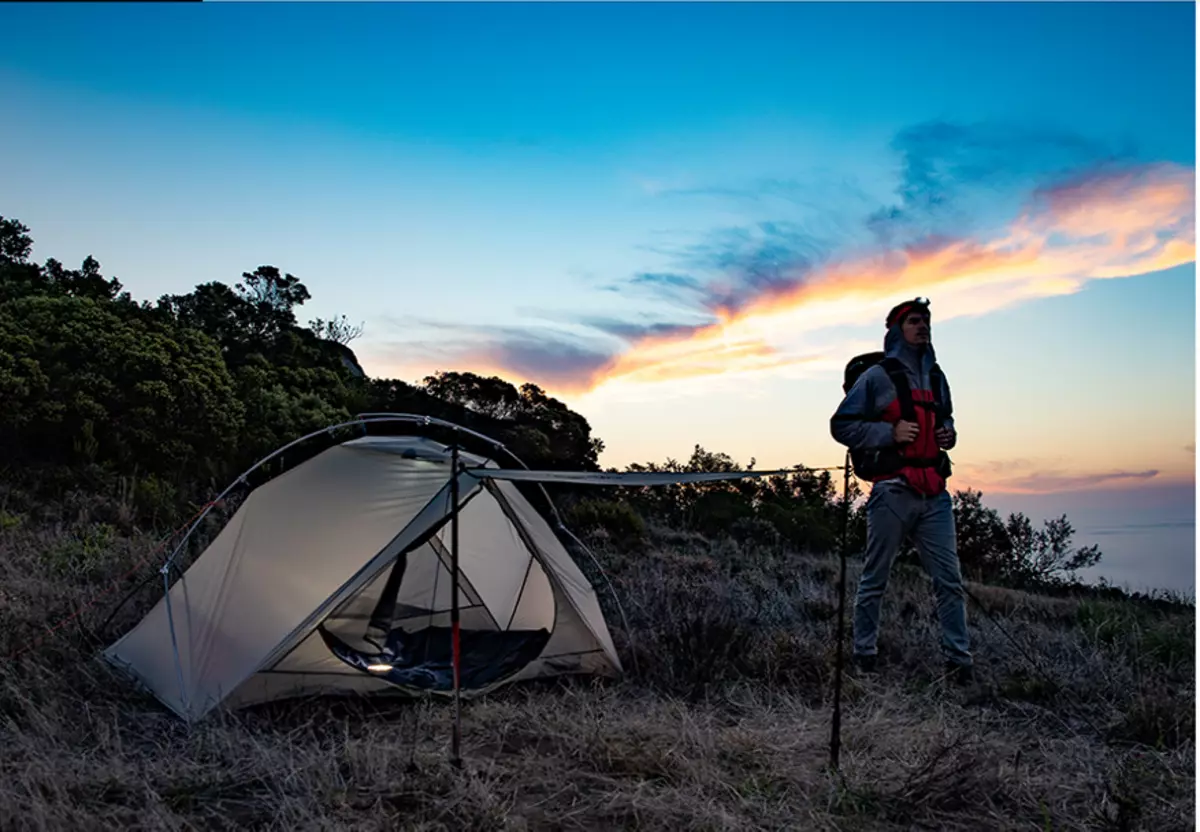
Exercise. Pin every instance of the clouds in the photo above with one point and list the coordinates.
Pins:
(956, 184)
(545, 355)
(1106, 224)
(756, 262)
(985, 216)
(950, 172)
(740, 263)
(1046, 476)
(639, 331)
(675, 288)
(804, 224)
(1146, 211)
(667, 281)
(1110, 220)
(556, 362)
(1047, 482)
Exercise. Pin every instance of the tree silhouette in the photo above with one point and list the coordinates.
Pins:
(338, 330)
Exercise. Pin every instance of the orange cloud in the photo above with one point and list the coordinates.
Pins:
(1104, 226)
(709, 351)
(1099, 226)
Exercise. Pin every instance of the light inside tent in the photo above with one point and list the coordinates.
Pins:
(379, 668)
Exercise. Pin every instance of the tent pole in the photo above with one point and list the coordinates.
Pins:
(835, 739)
(456, 739)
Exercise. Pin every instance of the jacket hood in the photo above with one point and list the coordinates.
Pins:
(918, 360)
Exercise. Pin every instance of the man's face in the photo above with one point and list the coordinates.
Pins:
(916, 328)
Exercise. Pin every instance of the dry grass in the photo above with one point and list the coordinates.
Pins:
(723, 725)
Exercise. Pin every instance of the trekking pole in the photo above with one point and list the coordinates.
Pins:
(835, 739)
(456, 736)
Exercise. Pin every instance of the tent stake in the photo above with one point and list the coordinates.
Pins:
(456, 738)
(835, 739)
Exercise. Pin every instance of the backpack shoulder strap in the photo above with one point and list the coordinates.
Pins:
(943, 408)
(899, 377)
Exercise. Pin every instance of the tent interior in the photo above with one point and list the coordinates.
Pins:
(335, 576)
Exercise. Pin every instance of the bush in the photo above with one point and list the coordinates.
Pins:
(86, 381)
(755, 532)
(615, 520)
(705, 623)
(804, 527)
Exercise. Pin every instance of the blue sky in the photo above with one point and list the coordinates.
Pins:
(585, 76)
(524, 189)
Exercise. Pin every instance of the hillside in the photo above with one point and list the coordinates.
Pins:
(723, 722)
(120, 418)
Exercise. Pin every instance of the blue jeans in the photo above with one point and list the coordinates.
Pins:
(895, 510)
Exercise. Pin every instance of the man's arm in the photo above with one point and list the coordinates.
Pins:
(854, 423)
(948, 435)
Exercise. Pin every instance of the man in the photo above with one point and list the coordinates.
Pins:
(903, 454)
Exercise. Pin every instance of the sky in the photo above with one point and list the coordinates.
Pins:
(667, 211)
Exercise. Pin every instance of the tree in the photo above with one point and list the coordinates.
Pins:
(1045, 556)
(983, 544)
(214, 309)
(84, 282)
(15, 242)
(541, 429)
(285, 402)
(1012, 552)
(802, 507)
(246, 318)
(571, 444)
(84, 380)
(491, 396)
(18, 277)
(337, 330)
(272, 299)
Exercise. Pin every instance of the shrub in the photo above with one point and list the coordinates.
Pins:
(755, 532)
(615, 520)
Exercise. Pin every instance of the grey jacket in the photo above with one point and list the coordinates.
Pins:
(873, 391)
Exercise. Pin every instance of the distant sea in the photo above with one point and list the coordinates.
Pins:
(1147, 535)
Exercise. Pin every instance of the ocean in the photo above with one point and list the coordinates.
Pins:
(1147, 535)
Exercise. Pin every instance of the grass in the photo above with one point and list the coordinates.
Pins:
(722, 723)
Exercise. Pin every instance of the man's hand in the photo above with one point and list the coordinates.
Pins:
(904, 432)
(945, 437)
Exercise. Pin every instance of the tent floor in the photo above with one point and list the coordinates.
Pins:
(424, 659)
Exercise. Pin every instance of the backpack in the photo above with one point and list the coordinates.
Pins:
(876, 462)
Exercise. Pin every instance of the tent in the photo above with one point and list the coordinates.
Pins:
(335, 577)
(340, 576)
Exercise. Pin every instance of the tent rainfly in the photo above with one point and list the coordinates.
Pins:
(335, 577)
